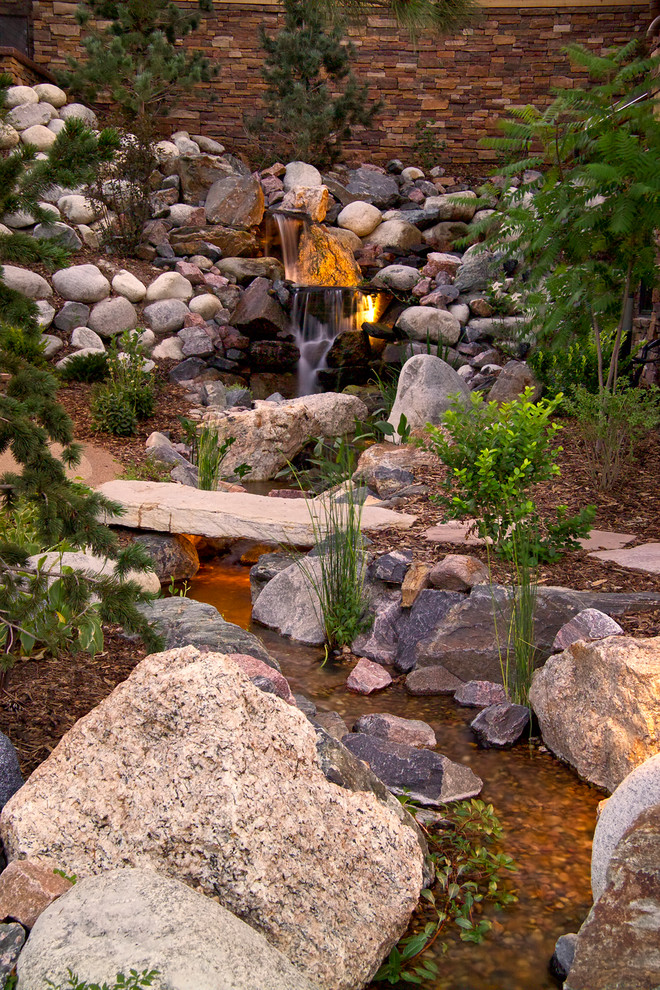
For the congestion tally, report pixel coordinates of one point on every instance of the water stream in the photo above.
(547, 813)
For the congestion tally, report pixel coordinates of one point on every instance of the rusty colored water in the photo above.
(547, 813)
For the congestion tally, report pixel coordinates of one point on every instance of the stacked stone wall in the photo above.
(460, 84)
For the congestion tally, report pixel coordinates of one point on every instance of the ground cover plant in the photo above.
(127, 393)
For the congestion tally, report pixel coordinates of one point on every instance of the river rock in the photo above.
(27, 887)
(77, 111)
(206, 305)
(238, 760)
(500, 726)
(442, 236)
(29, 115)
(57, 231)
(392, 728)
(394, 234)
(27, 283)
(77, 209)
(512, 381)
(40, 137)
(48, 93)
(421, 775)
(589, 624)
(112, 316)
(458, 572)
(169, 285)
(166, 315)
(374, 187)
(46, 313)
(636, 793)
(399, 277)
(617, 946)
(138, 919)
(236, 201)
(174, 557)
(360, 218)
(424, 323)
(367, 677)
(427, 388)
(246, 269)
(477, 694)
(83, 338)
(126, 284)
(269, 436)
(432, 680)
(597, 706)
(11, 777)
(183, 622)
(301, 174)
(9, 137)
(453, 206)
(72, 315)
(81, 283)
(15, 96)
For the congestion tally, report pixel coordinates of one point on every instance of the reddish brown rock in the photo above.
(589, 624)
(255, 668)
(432, 680)
(458, 572)
(480, 694)
(367, 677)
(392, 728)
(194, 274)
(27, 887)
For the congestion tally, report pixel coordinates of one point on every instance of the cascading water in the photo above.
(327, 302)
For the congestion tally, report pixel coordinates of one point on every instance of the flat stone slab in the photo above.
(452, 532)
(170, 508)
(644, 558)
(601, 539)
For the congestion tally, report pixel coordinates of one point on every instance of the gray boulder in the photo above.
(29, 115)
(380, 642)
(267, 567)
(427, 387)
(393, 728)
(589, 624)
(290, 604)
(512, 381)
(183, 622)
(138, 919)
(475, 272)
(11, 777)
(28, 283)
(424, 323)
(72, 315)
(113, 316)
(422, 775)
(12, 940)
(500, 726)
(166, 315)
(174, 556)
(81, 283)
(374, 187)
(391, 567)
(480, 694)
(57, 231)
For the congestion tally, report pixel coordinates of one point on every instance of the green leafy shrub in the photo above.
(470, 872)
(86, 368)
(610, 426)
(128, 395)
(134, 981)
(563, 369)
(495, 455)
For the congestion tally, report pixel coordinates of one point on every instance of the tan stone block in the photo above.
(27, 887)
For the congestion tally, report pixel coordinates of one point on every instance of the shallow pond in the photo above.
(547, 813)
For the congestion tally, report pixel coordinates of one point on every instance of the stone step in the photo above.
(170, 508)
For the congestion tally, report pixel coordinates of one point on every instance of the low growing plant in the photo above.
(86, 368)
(470, 872)
(495, 455)
(128, 395)
(611, 424)
(134, 981)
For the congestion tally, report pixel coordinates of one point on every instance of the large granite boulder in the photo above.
(597, 706)
(426, 390)
(636, 793)
(174, 556)
(236, 201)
(199, 172)
(374, 187)
(188, 769)
(269, 436)
(137, 919)
(290, 602)
(617, 946)
(426, 324)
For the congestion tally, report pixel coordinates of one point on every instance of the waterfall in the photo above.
(289, 229)
(318, 316)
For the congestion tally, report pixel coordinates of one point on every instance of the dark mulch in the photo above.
(171, 403)
(42, 699)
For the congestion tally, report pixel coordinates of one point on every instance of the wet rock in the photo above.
(392, 728)
(458, 572)
(392, 567)
(183, 622)
(512, 381)
(597, 706)
(238, 760)
(306, 706)
(562, 957)
(367, 677)
(427, 615)
(617, 946)
(290, 603)
(589, 624)
(139, 919)
(11, 778)
(174, 556)
(27, 887)
(478, 694)
(432, 680)
(500, 726)
(332, 723)
(310, 200)
(12, 940)
(427, 388)
(236, 201)
(267, 567)
(380, 642)
(422, 775)
(636, 793)
(324, 259)
(374, 187)
(264, 676)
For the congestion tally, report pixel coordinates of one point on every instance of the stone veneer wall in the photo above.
(462, 83)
